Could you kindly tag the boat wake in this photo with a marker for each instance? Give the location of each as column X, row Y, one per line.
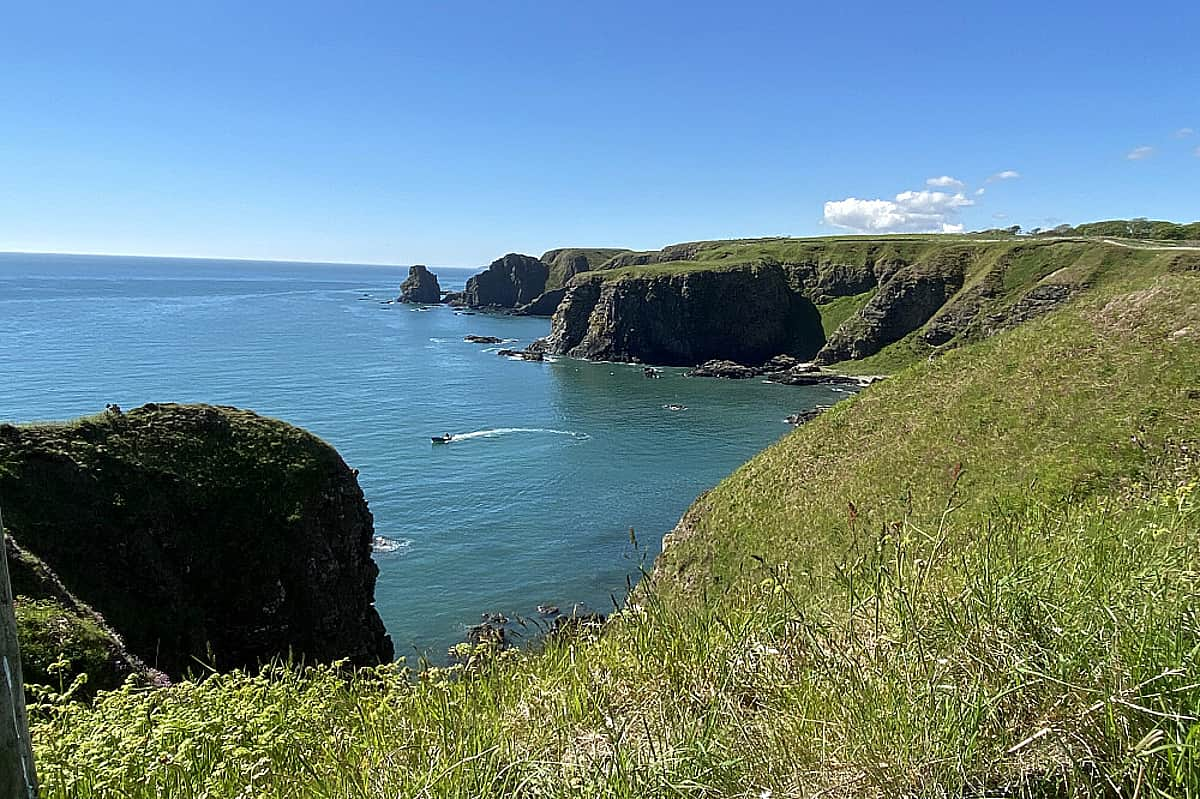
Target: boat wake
column 497, row 432
column 382, row 544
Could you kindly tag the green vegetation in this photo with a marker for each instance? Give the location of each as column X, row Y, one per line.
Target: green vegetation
column 567, row 261
column 176, row 523
column 58, row 644
column 1139, row 229
column 975, row 578
column 835, row 312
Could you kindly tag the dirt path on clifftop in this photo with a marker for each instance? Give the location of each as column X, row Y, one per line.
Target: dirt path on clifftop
column 1159, row 247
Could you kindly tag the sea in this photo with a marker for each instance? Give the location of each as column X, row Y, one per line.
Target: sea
column 554, row 471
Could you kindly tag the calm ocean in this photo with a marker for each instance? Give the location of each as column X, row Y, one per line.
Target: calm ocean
column 532, row 504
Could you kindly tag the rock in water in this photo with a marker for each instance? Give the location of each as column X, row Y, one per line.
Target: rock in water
column 200, row 533
column 421, row 286
column 508, row 282
column 726, row 369
column 474, row 339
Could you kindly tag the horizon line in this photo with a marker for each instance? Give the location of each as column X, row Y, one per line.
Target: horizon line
column 226, row 258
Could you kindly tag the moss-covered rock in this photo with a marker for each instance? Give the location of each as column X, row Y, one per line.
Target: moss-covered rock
column 200, row 533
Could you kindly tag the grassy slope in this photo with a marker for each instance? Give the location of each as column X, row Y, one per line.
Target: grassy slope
column 835, row 312
column 558, row 260
column 1009, row 266
column 930, row 615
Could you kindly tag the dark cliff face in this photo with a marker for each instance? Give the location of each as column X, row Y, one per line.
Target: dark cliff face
column 746, row 314
column 54, row 626
column 200, row 533
column 907, row 300
column 508, row 282
column 421, row 286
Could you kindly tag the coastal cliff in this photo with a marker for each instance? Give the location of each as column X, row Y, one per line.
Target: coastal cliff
column 200, row 534
column 749, row 300
column 507, row 282
column 745, row 314
column 531, row 286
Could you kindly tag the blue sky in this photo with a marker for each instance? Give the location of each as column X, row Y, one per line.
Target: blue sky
column 390, row 132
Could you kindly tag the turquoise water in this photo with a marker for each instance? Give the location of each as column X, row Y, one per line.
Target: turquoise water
column 530, row 504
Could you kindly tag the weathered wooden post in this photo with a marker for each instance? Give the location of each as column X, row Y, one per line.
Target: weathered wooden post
column 17, row 777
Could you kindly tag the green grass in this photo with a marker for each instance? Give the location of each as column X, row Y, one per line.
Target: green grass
column 1054, row 655
column 978, row 577
column 835, row 312
column 58, row 644
column 558, row 260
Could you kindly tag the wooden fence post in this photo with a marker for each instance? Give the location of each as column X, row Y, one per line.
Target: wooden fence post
column 17, row 777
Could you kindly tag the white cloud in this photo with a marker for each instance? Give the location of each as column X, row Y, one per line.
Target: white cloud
column 980, row 192
column 1139, row 153
column 999, row 215
column 1008, row 174
column 1183, row 133
column 946, row 182
column 910, row 212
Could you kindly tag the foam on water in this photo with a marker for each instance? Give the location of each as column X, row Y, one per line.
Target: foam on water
column 384, row 545
column 496, row 432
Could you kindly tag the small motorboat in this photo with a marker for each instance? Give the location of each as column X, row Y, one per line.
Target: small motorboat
column 442, row 439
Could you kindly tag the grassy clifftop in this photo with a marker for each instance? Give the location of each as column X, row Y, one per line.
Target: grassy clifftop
column 889, row 301
column 976, row 578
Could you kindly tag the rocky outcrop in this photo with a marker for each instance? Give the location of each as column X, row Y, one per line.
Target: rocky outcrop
column 421, row 286
column 804, row 417
column 782, row 369
column 746, row 314
column 200, row 533
column 507, row 283
column 905, row 302
column 566, row 262
column 727, row 370
column 528, row 354
column 474, row 339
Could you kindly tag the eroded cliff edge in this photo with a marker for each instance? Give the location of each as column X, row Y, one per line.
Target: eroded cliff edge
column 201, row 534
column 831, row 300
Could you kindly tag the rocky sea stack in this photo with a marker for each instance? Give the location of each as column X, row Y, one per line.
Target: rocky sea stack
column 200, row 534
column 421, row 286
column 507, row 282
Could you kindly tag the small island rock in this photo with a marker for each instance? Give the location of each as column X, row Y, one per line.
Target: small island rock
column 421, row 286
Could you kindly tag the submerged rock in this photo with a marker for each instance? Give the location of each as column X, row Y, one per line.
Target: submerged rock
column 200, row 534
column 525, row 355
column 421, row 286
column 473, row 339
